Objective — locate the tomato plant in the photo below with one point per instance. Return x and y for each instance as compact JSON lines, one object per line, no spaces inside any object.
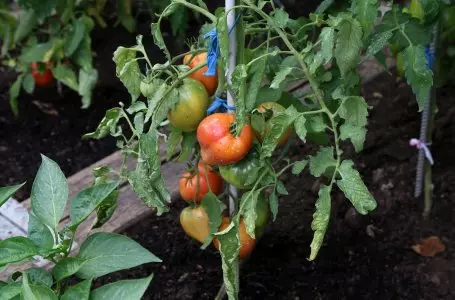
{"x":273,"y":51}
{"x":71,"y":275}
{"x":195,"y":185}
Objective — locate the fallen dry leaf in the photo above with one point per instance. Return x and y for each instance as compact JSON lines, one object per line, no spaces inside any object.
{"x":429,"y":246}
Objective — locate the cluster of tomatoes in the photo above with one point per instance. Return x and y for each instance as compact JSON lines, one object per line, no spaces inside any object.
{"x":224,"y":155}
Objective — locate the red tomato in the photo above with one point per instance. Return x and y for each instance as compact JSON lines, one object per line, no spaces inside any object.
{"x":189,"y":183}
{"x":247,"y":243}
{"x":42,"y":77}
{"x":218,"y":145}
{"x":210,"y":82}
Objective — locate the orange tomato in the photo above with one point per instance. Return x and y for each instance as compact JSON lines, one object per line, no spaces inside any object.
{"x":188,"y":184}
{"x":218,"y":145}
{"x":247,"y":243}
{"x":210,"y":82}
{"x":41,"y":77}
{"x":274,"y":108}
{"x":195,"y":223}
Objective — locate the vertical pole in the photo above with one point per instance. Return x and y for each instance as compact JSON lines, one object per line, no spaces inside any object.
{"x":229,"y":71}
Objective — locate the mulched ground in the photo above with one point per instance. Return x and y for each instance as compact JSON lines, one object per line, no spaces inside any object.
{"x":363,"y":257}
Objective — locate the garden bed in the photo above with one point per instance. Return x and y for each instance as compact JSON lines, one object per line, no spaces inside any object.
{"x":363,"y":257}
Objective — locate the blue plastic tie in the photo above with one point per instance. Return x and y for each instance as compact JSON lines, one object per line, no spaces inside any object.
{"x":214,"y":49}
{"x":430,"y":55}
{"x":219,"y":104}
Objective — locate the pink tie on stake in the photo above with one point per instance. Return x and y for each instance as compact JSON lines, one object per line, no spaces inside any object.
{"x":420,"y":145}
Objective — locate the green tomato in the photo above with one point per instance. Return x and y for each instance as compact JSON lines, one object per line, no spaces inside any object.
{"x":263,"y":214}
{"x":191,"y":107}
{"x":146,"y":89}
{"x":244,"y":173}
{"x":416,"y":10}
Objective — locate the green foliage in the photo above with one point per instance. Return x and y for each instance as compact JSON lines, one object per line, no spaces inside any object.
{"x":321,"y":219}
{"x":8,"y":191}
{"x":132,"y":289}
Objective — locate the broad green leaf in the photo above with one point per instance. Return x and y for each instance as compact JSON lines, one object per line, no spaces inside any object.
{"x":67,"y":267}
{"x":158,"y":39}
{"x":105,"y":253}
{"x":354,"y":110}
{"x":327,"y":38}
{"x":132,"y":289}
{"x":106,"y":209}
{"x":378,"y":42}
{"x":365,"y":12}
{"x":49,"y":193}
{"x":321,"y":218}
{"x":8,"y":191}
{"x":83,"y":54}
{"x":80,"y":291}
{"x":39,"y":233}
{"x":280,"y":18}
{"x":323,"y":6}
{"x":146,"y":180}
{"x":267,"y":94}
{"x":248,"y":205}
{"x":10,"y":291}
{"x":355,"y":133}
{"x":255,"y":77}
{"x":16,"y":249}
{"x":174,"y":138}
{"x":107,"y":124}
{"x":229,"y":245}
{"x":86,"y":201}
{"x":38,"y":276}
{"x":321,"y":161}
{"x":281,"y":188}
{"x":29,"y":83}
{"x":273,"y":203}
{"x":298,"y":166}
{"x":279,"y":124}
{"x":418,"y":75}
{"x":42,"y":8}
{"x":280,"y":77}
{"x":66,"y":75}
{"x":36,"y":292}
{"x":87,"y":82}
{"x":300,"y":127}
{"x":14,"y":92}
{"x":75,"y":37}
{"x":128,"y":71}
{"x":36,"y":52}
{"x":348,"y":44}
{"x":27,"y":22}
{"x":354,"y":189}
{"x":213,"y":207}
{"x":188,"y":143}
{"x":157,"y":96}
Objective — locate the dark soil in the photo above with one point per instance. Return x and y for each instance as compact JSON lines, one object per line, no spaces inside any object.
{"x":363,"y":257}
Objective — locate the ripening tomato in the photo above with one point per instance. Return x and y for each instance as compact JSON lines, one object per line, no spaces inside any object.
{"x":244,"y":173}
{"x":218,"y":145}
{"x":192,"y":106}
{"x":42,"y":73}
{"x":269,"y":110}
{"x":188,"y":184}
{"x":210,"y":82}
{"x":416,"y":10}
{"x":247,"y":243}
{"x":195,"y":223}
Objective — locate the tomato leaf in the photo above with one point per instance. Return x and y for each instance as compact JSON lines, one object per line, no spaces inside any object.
{"x":300,"y":127}
{"x":14,"y":92}
{"x":354,"y":110}
{"x":49,"y":193}
{"x":323,"y":6}
{"x":158,"y":39}
{"x":79,"y":291}
{"x":378,"y":42}
{"x":127,"y":70}
{"x":106,"y":209}
{"x":75,"y":37}
{"x":327,"y":38}
{"x":281,"y":188}
{"x":354,"y":189}
{"x":27,"y":21}
{"x":280,"y":18}
{"x":105,"y":253}
{"x":162,"y":105}
{"x":8,"y":191}
{"x":83,"y":54}
{"x":223,"y":38}
{"x":29,"y":83}
{"x":348,"y":43}
{"x":320,"y":221}
{"x":273,"y":203}
{"x":87,"y":82}
{"x":248,"y":205}
{"x":365,"y":12}
{"x":66,"y":75}
{"x":299,"y":166}
{"x":239,"y":77}
{"x":321,"y":161}
{"x":131,"y":289}
{"x":16,"y":249}
{"x":174,"y":139}
{"x":107,"y":124}
{"x":418,"y":75}
{"x":213,"y":207}
{"x":229,"y":245}
{"x":355,"y":133}
{"x":255,"y":76}
{"x":146,"y":179}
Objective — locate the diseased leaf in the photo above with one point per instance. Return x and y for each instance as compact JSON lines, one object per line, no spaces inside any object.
{"x":248,"y":205}
{"x":348,"y":44}
{"x":378,"y":42}
{"x":327,"y":38}
{"x":355,"y":133}
{"x":280,"y":77}
{"x":107,"y":124}
{"x":255,"y":77}
{"x":354,"y":189}
{"x":354,"y":110}
{"x":418,"y":75}
{"x":223,"y":38}
{"x":158,"y":39}
{"x":127,"y":70}
{"x":321,"y":219}
{"x":365,"y":12}
{"x":321,"y":161}
{"x":300,"y":127}
{"x":281,"y":18}
{"x":213,"y":207}
{"x":87,"y":82}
